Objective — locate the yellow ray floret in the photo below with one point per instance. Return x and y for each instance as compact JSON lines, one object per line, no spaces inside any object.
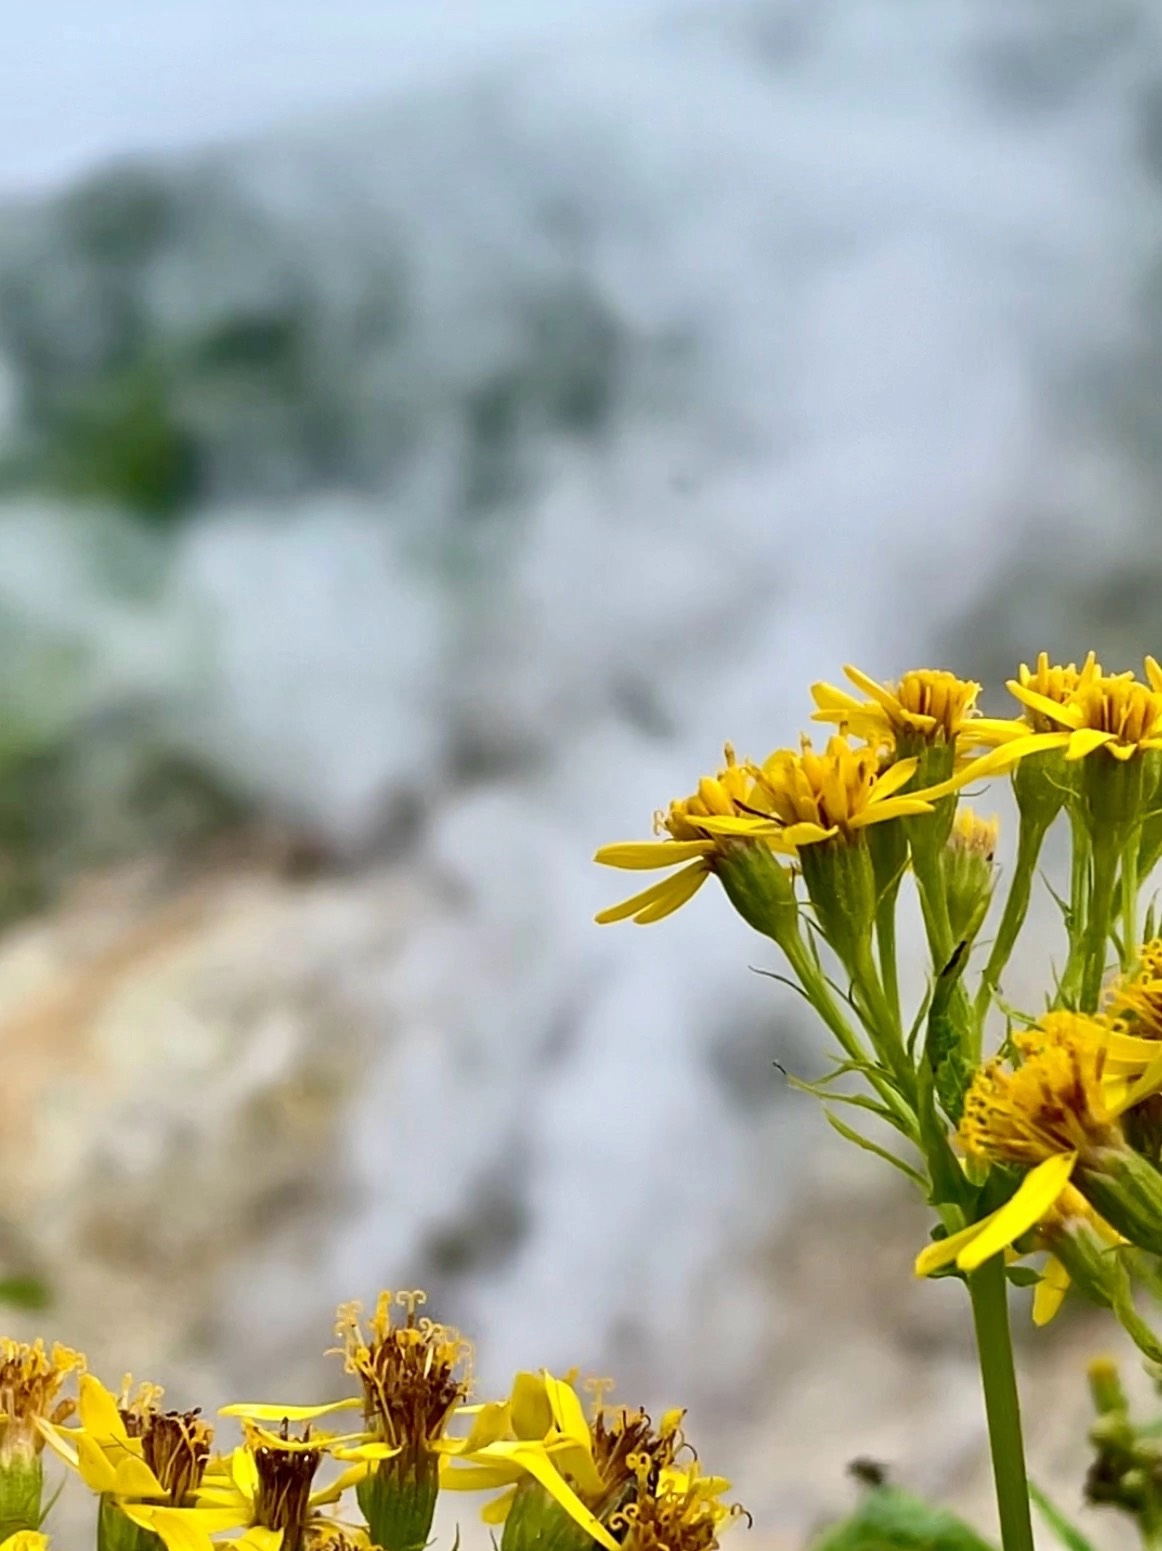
{"x":685,"y":836}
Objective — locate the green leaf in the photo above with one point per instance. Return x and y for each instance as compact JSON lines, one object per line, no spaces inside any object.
{"x":950,"y":1185}
{"x":1022,"y":1276}
{"x":944,"y":1045}
{"x":851,"y":1135}
{"x":1068,"y":1534}
{"x":891,"y":1520}
{"x":24,"y":1292}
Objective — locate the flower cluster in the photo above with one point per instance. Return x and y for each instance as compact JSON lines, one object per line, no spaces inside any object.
{"x":554,"y":1474}
{"x":1051,"y":1146}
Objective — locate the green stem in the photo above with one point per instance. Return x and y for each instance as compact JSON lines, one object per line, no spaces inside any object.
{"x":1069,"y":989}
{"x":886,"y":943}
{"x":1130,"y":903}
{"x":1078,"y":875}
{"x":990,"y":1312}
{"x":818,"y":993}
{"x":882,"y":1022}
{"x":1097,"y":927}
{"x":1030,"y":839}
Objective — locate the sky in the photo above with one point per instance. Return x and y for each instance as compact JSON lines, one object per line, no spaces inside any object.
{"x":87,"y":79}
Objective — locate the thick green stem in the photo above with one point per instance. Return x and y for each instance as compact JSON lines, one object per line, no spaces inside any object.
{"x":1029,"y":842}
{"x":990,"y":1312}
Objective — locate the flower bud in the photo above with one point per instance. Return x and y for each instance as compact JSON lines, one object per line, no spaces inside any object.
{"x":969,"y":872}
{"x":1125,"y":1189}
{"x":1105,"y":1386}
{"x":761,"y":889}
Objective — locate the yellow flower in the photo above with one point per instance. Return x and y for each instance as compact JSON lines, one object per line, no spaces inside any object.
{"x":1067,"y":1209}
{"x":413,"y":1372}
{"x":31,"y":1379}
{"x":129,"y":1447}
{"x":1051,"y":682}
{"x":686,"y":837}
{"x":682,"y":1511}
{"x":265,"y":1493}
{"x":413,"y":1375}
{"x":926,"y":705}
{"x":1134,"y":1003}
{"x":1114,"y":712}
{"x":540,"y":1434}
{"x":802,"y":798}
{"x":1057,"y":1109}
{"x":614,"y":1475}
{"x":25,"y":1540}
{"x":926,"y":708}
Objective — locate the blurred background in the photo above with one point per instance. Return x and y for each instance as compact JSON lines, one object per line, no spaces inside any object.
{"x":427,"y":430}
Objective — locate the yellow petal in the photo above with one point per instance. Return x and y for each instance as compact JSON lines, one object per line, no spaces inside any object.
{"x":530,"y":1407}
{"x":536,"y":1462}
{"x":893,"y":778}
{"x":99,"y":1414}
{"x":62,"y":1441}
{"x":681,"y":888}
{"x":1034,"y":1196}
{"x":95,"y":1470}
{"x":568,"y":1412}
{"x":25,"y":1540}
{"x":258,"y":1538}
{"x":346,"y":1478}
{"x":490,"y":1421}
{"x":645,"y":855}
{"x":687,"y":883}
{"x":1064,"y":715}
{"x":942,"y":1252}
{"x":497,"y":1511}
{"x":878,"y":693}
{"x":737,"y":824}
{"x":1128,"y":1047}
{"x":365,"y":1451}
{"x":1085,"y":740}
{"x":831,"y":700}
{"x":804,"y":834}
{"x":1120,"y":1094}
{"x":132,"y":1477}
{"x":479,"y":1478}
{"x":262,"y":1411}
{"x":993,"y":730}
{"x":179,"y":1529}
{"x":244,"y":1472}
{"x":893,"y":808}
{"x":1049,"y":1294}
